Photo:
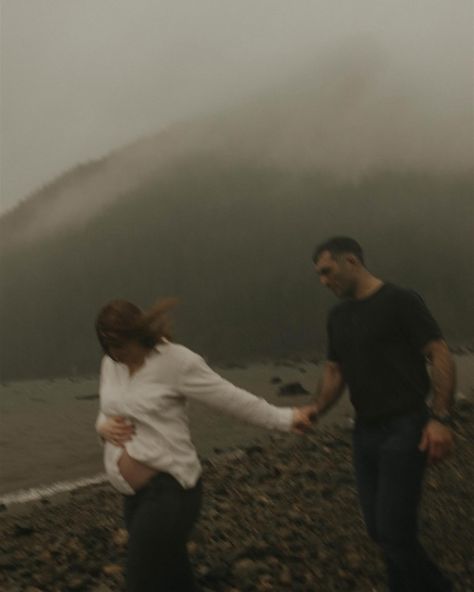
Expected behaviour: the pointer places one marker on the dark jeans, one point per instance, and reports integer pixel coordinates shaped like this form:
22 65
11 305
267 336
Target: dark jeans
389 472
159 519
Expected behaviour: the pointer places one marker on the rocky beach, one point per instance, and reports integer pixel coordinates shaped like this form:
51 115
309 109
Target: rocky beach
277 516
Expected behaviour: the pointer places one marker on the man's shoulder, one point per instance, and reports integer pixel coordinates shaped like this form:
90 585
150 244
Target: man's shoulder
389 295
402 294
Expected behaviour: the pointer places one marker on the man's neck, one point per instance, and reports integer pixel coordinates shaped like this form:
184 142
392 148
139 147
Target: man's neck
368 285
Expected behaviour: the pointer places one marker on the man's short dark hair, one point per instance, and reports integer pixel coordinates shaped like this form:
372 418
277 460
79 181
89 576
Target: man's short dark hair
337 245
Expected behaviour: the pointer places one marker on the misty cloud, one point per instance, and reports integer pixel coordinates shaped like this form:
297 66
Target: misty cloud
355 115
82 79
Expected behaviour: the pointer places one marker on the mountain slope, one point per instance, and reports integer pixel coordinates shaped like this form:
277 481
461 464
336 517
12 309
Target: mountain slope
225 211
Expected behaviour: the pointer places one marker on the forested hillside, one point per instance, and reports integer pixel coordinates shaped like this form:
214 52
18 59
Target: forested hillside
234 243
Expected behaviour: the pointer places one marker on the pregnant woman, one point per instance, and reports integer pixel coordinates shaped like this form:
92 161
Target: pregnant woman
145 383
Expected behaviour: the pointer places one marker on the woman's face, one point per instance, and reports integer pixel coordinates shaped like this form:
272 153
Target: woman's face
127 351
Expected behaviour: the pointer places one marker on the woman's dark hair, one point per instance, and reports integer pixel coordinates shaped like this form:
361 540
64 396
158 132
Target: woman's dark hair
120 321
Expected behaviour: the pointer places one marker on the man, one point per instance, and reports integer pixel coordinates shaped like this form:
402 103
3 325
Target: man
380 339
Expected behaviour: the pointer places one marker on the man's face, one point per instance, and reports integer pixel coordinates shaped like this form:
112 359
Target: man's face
336 273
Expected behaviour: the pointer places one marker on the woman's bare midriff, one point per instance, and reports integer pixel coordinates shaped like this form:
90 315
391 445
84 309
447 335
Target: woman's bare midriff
135 473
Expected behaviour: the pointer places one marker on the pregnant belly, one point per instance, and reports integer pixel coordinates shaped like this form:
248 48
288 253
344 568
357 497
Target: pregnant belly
135 473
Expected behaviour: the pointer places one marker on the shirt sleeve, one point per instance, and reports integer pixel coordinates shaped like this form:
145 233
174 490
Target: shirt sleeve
417 322
332 355
200 383
101 417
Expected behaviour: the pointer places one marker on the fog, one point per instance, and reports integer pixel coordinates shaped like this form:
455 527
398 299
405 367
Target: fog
346 86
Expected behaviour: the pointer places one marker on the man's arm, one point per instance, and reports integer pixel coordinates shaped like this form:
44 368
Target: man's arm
331 387
437 439
443 376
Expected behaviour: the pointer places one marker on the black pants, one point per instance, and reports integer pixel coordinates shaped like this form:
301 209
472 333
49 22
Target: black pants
159 519
389 471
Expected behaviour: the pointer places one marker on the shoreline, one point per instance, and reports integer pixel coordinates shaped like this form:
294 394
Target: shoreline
48 433
48 440
45 492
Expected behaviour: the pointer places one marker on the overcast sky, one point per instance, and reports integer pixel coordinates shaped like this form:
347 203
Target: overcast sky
82 77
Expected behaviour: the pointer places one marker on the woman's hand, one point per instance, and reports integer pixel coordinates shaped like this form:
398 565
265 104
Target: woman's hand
303 418
116 430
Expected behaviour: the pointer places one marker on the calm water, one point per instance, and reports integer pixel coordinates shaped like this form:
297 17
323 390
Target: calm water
47 426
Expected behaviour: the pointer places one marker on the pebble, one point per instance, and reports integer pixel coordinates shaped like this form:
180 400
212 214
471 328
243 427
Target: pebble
281 517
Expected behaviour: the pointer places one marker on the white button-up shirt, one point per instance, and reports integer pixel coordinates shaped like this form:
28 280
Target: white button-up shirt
155 397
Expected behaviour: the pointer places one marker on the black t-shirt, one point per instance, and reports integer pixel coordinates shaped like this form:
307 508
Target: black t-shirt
377 342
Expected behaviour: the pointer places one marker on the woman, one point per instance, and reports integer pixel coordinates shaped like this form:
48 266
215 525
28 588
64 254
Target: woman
149 456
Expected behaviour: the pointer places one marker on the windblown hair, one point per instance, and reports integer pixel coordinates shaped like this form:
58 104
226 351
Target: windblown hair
338 245
120 321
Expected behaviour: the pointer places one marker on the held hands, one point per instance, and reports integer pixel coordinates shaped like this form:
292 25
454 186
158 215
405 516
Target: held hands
437 441
117 430
303 417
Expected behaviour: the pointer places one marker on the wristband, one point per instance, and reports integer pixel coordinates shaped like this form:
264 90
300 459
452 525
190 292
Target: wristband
444 419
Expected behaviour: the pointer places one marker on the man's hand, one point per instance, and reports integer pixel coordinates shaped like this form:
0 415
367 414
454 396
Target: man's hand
437 441
117 430
303 418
